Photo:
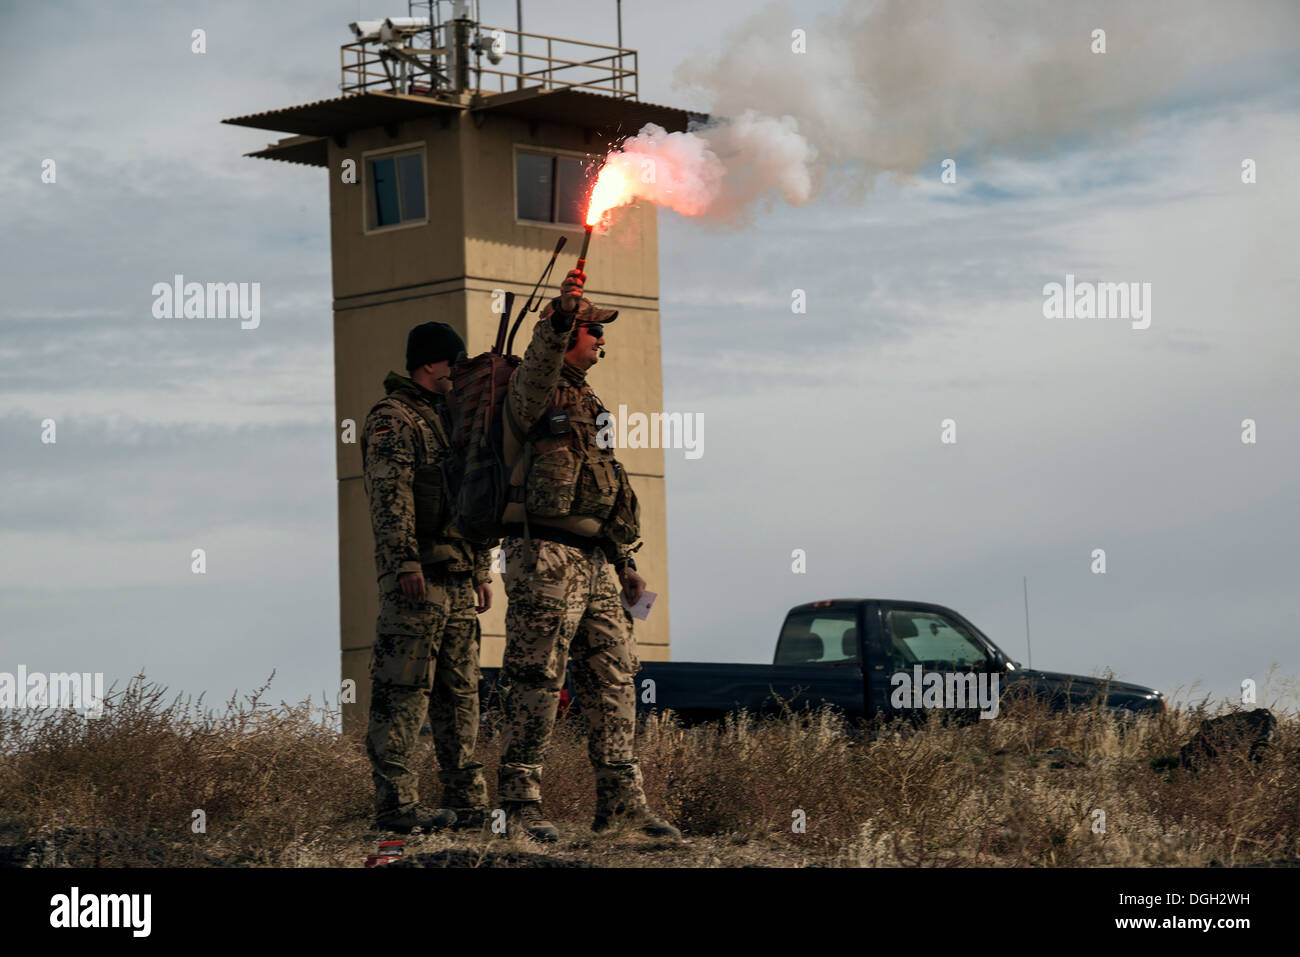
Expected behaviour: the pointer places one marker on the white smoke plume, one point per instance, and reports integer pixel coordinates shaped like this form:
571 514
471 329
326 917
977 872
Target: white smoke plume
891 85
717 172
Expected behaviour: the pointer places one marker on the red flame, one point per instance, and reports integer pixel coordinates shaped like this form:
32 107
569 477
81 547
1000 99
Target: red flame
613 188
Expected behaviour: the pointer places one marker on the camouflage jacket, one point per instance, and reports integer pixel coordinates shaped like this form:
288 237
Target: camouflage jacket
571 482
402 452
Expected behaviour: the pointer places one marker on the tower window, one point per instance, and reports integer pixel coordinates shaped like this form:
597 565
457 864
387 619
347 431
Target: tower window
551 188
396 187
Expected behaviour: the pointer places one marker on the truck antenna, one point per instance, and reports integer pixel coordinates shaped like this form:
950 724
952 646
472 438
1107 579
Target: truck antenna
1028 647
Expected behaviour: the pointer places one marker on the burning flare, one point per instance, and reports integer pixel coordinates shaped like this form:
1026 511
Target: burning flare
613 188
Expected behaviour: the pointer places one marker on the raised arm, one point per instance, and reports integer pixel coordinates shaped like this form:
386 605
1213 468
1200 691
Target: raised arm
533 384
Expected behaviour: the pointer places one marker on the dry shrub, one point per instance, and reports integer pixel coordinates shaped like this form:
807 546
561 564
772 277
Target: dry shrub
270 780
282 786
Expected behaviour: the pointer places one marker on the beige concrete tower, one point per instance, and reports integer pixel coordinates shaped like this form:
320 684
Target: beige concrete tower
442 195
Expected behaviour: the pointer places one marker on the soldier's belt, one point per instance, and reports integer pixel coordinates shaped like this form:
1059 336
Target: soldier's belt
438 570
551 534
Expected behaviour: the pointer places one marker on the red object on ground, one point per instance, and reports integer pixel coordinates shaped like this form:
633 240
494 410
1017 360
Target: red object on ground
562 709
389 851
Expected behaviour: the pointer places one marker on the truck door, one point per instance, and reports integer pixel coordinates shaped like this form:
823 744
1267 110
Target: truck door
937 662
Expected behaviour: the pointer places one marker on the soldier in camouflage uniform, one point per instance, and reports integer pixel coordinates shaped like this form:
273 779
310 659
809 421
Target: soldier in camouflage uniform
432 582
572 513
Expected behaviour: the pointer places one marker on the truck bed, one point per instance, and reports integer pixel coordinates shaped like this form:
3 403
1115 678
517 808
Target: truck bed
701 691
704 691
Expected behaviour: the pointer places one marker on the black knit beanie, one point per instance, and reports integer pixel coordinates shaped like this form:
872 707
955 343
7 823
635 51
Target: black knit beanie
432 342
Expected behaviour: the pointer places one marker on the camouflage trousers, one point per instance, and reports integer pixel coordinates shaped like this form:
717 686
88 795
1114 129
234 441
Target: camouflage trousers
567 606
425 662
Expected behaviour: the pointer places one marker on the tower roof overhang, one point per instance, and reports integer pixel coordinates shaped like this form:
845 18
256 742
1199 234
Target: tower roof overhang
305 150
313 123
611 115
343 114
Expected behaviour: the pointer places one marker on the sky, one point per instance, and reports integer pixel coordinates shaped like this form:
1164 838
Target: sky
924 303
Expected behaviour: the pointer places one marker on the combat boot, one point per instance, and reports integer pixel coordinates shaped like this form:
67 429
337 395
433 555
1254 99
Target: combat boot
417 816
526 817
639 818
469 818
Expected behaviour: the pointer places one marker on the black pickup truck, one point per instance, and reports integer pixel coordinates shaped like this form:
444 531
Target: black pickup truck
868 658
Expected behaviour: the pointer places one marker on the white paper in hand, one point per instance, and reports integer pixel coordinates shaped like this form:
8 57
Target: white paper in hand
642 608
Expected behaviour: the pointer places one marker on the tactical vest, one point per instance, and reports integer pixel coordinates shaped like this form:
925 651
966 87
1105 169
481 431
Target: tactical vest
437 540
568 473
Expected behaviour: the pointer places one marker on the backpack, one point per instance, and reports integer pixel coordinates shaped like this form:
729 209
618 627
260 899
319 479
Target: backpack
475 467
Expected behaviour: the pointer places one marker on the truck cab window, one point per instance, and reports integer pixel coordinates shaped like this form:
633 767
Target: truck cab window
932 640
821 637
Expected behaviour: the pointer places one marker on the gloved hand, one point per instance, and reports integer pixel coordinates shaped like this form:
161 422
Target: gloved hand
571 290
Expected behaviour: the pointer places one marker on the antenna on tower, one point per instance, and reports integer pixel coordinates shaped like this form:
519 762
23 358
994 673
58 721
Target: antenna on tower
519 28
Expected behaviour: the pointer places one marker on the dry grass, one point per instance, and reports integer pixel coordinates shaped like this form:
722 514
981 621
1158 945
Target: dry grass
279 786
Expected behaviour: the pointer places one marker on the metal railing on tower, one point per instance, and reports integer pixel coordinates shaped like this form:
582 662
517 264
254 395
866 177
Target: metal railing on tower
423 56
